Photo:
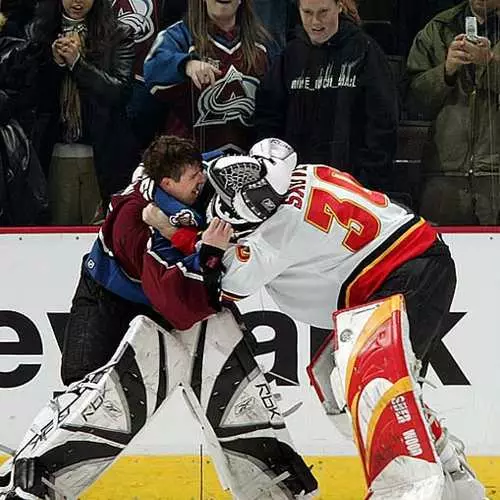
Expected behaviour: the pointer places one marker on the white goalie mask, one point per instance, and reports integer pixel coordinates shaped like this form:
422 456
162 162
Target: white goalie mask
249 189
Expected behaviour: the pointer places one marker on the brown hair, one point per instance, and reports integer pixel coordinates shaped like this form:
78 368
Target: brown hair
350 9
251 30
168 156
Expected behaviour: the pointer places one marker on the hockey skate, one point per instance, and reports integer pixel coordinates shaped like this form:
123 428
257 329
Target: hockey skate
461 480
25 480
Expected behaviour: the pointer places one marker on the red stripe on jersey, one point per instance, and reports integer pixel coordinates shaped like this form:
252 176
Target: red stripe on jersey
232 297
416 240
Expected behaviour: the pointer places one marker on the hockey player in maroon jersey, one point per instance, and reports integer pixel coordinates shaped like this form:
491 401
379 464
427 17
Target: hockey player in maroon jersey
119 376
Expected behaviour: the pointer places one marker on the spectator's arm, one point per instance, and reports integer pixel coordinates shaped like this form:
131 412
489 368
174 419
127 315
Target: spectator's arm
165 64
427 87
271 102
378 146
111 86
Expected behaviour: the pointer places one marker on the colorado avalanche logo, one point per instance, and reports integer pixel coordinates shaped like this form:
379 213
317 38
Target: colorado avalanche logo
138 14
184 217
230 98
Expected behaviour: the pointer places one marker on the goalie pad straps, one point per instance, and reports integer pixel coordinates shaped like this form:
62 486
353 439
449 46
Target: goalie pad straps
325 378
74 439
375 365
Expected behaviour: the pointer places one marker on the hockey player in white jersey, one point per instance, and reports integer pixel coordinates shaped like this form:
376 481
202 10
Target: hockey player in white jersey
321 244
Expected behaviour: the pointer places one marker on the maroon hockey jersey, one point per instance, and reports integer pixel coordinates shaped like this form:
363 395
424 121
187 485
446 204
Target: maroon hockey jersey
130 255
143 17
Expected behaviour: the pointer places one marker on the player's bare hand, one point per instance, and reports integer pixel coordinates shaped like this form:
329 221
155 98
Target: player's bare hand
479 51
202 73
218 234
153 216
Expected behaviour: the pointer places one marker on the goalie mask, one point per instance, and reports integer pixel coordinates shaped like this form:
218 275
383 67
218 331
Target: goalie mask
249 189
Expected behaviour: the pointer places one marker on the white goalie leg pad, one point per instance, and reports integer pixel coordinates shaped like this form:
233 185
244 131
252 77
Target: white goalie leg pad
377 370
80 433
245 431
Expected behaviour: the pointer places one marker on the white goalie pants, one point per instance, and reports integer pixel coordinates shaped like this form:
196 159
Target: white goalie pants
80 433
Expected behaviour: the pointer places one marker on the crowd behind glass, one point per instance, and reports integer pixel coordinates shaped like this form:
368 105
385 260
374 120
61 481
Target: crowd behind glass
403 95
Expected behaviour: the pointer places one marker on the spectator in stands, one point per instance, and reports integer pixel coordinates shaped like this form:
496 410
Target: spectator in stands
331 95
23 189
456 82
279 18
18 14
208 68
79 130
146 18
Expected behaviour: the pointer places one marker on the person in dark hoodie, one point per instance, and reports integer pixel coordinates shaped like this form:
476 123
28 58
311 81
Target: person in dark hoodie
331 96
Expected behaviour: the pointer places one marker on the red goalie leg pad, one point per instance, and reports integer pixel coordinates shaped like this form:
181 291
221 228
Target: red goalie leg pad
436 430
389 426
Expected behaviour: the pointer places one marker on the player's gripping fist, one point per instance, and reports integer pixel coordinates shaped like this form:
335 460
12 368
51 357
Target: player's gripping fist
218 234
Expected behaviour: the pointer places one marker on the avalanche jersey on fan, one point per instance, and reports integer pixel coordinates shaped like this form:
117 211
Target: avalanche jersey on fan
142 17
329 246
223 112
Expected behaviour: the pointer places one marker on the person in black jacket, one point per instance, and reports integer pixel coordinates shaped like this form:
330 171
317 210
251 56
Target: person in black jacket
18 14
23 197
331 96
80 131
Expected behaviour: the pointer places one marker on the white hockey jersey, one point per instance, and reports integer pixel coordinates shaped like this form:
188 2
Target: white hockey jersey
330 245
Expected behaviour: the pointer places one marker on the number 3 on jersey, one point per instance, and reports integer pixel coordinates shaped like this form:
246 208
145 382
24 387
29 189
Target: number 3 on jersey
324 207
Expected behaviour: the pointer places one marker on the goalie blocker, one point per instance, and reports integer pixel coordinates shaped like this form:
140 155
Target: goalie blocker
79 434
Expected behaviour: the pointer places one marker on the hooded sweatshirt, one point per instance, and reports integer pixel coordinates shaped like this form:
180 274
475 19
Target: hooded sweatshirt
335 103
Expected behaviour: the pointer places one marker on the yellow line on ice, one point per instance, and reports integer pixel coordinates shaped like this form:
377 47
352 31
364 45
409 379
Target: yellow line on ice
174 477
